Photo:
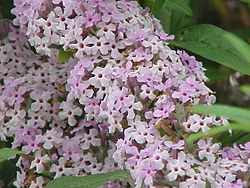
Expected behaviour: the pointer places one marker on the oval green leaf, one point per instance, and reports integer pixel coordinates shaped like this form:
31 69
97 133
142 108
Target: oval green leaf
233 113
6 153
179 5
90 181
157 5
217 130
216 45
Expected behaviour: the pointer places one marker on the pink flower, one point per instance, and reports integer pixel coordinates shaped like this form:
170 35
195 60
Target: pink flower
207 149
196 122
147 171
137 37
147 76
39 183
16 97
147 92
90 139
61 169
32 144
177 167
137 157
52 138
164 110
139 55
69 111
246 146
108 31
142 132
178 146
41 101
90 18
71 148
110 13
230 153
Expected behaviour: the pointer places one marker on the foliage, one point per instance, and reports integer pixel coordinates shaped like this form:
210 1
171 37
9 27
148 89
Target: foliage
233 113
64 56
90 181
6 153
216 45
218 130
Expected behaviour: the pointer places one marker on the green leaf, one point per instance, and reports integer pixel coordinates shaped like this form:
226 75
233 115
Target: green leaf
179 5
243 139
228 139
147 3
64 56
211 132
233 113
164 15
6 153
173 20
240 46
217 130
245 89
216 45
90 181
157 5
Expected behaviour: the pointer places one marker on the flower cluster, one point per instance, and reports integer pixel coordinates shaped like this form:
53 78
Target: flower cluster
121 101
36 112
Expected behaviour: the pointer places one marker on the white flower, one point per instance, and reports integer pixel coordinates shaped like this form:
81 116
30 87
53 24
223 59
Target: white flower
39 161
147 92
41 101
69 111
196 122
51 138
61 169
195 180
100 78
90 139
106 30
177 167
207 149
38 183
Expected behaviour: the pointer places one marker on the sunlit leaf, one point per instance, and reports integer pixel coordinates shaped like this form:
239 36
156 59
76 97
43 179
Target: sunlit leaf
179 5
217 130
233 113
90 181
216 45
6 153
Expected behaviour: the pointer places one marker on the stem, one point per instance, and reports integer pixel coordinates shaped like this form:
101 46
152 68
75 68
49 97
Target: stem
131 181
